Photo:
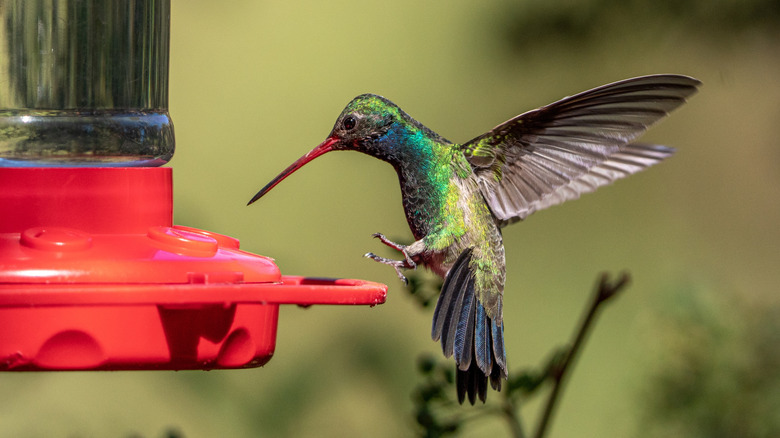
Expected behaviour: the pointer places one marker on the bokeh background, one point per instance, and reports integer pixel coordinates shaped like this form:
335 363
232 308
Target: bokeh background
691 349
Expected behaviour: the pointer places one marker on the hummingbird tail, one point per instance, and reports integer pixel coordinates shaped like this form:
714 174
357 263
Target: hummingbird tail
468 333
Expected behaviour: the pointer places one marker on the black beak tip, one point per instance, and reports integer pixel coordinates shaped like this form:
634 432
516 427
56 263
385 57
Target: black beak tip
255 198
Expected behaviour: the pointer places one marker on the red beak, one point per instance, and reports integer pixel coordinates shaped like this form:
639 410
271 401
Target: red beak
325 146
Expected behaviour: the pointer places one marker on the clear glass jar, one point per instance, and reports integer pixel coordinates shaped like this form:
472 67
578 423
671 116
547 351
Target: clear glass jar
84 83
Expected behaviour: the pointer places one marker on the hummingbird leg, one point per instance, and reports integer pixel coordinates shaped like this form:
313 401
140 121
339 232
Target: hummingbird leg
398 247
396 264
410 252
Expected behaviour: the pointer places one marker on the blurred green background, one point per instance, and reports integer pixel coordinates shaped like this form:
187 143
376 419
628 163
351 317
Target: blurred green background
255 84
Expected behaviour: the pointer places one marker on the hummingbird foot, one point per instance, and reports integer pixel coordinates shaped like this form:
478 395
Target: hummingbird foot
398 247
396 264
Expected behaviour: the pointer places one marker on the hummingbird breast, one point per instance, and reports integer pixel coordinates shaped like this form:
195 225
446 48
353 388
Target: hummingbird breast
447 211
431 190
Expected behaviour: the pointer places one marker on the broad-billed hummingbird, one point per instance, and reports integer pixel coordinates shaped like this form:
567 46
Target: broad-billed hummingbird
457 197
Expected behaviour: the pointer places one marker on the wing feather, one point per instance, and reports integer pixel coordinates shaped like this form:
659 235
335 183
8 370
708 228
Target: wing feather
558 152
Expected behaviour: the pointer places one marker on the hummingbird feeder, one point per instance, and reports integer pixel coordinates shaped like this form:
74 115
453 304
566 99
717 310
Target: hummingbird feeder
93 273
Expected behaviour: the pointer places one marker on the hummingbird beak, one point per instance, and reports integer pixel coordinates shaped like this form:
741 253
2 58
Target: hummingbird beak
325 146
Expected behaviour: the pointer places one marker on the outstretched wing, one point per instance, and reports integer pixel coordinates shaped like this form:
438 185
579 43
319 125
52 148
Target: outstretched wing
558 152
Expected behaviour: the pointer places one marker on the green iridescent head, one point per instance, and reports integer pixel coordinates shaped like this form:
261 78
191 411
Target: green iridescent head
366 118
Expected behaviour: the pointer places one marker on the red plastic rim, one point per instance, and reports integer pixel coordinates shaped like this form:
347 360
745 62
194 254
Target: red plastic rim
302 291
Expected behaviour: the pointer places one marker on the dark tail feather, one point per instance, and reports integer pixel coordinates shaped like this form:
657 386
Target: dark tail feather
468 334
442 315
465 333
471 382
482 340
499 354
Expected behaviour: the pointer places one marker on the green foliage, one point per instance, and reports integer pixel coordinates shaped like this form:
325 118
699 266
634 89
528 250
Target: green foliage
718 371
529 24
437 412
423 288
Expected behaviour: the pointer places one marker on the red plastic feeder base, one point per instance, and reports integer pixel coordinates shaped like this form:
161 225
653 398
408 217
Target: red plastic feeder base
94 276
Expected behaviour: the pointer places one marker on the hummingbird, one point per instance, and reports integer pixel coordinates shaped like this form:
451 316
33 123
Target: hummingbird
458 196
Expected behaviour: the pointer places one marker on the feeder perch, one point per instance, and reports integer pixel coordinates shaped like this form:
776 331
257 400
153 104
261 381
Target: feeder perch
93 273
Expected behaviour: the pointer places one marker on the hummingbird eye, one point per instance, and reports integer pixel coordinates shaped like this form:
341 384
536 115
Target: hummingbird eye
349 123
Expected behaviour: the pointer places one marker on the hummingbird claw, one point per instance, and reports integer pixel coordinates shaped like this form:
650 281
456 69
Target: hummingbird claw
387 241
410 264
396 264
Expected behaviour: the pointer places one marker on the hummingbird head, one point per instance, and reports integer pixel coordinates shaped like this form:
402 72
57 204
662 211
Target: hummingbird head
364 125
367 119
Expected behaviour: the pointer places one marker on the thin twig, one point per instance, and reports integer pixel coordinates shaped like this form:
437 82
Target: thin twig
604 292
510 412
